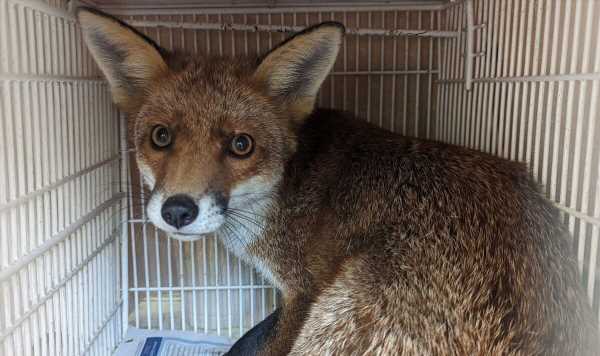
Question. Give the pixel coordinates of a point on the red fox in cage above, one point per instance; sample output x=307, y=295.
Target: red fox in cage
x=380, y=244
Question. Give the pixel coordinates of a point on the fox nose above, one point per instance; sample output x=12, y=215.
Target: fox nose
x=179, y=211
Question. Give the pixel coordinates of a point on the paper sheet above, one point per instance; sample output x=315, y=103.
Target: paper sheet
x=140, y=342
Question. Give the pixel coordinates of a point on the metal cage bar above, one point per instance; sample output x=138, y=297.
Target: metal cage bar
x=60, y=193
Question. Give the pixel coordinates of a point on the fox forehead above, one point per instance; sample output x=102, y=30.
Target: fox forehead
x=208, y=93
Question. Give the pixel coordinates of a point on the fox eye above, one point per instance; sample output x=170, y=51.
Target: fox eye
x=161, y=136
x=241, y=145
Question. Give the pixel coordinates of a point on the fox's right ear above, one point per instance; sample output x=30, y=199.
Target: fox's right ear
x=129, y=60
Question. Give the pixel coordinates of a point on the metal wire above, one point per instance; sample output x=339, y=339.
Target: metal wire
x=59, y=157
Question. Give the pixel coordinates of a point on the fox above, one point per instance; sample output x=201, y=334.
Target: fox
x=380, y=244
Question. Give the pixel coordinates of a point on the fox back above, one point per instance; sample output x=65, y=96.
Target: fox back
x=380, y=244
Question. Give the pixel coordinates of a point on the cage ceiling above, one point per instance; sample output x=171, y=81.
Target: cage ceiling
x=272, y=4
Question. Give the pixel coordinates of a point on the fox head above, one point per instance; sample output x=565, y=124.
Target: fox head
x=212, y=134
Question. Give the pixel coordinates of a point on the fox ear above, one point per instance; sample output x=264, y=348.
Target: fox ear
x=129, y=60
x=296, y=68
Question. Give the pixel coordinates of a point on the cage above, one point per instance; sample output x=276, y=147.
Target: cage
x=80, y=265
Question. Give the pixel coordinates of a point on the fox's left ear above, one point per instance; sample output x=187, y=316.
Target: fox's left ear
x=295, y=70
x=130, y=61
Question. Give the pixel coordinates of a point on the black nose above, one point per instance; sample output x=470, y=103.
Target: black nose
x=179, y=211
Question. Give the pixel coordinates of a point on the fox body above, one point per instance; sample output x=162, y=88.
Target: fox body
x=380, y=244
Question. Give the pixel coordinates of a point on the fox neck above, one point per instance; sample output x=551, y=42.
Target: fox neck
x=247, y=226
x=295, y=240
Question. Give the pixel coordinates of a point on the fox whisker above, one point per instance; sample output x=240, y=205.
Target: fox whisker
x=231, y=231
x=247, y=218
x=256, y=217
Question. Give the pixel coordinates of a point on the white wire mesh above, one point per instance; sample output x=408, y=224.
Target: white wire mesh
x=59, y=191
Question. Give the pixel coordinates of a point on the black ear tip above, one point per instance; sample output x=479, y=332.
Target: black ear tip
x=80, y=10
x=327, y=24
x=83, y=10
x=335, y=24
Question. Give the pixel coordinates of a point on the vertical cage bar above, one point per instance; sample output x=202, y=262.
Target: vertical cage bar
x=393, y=118
x=369, y=65
x=418, y=76
x=567, y=148
x=124, y=224
x=158, y=279
x=382, y=68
